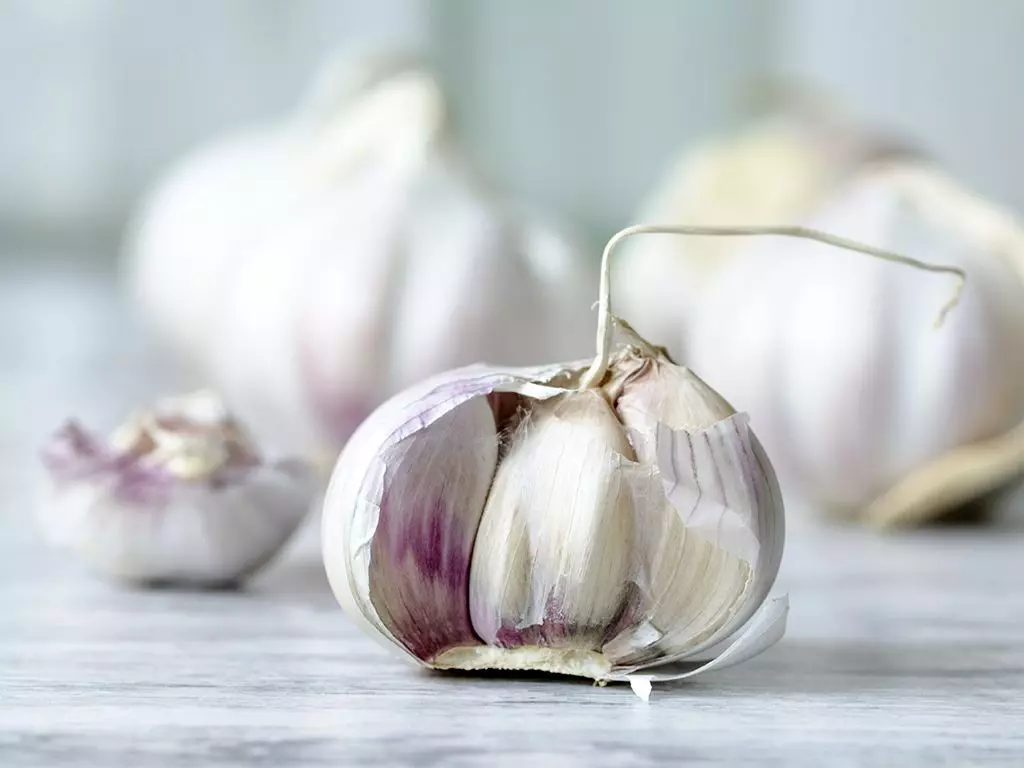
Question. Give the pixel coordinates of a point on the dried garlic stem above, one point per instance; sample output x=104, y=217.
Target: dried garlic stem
x=605, y=326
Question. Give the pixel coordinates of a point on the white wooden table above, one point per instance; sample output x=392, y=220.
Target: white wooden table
x=901, y=651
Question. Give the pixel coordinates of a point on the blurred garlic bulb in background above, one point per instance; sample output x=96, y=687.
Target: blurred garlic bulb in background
x=311, y=268
x=179, y=494
x=771, y=173
x=863, y=404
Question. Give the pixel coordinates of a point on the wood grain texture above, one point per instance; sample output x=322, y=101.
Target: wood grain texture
x=905, y=651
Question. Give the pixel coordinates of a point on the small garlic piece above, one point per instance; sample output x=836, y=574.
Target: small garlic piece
x=177, y=495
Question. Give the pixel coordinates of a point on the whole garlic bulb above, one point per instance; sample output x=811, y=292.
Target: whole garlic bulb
x=863, y=405
x=771, y=173
x=177, y=495
x=316, y=267
x=498, y=518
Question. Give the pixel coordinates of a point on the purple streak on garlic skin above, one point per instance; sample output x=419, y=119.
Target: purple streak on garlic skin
x=434, y=491
x=442, y=561
x=355, y=495
x=74, y=455
x=73, y=452
x=558, y=630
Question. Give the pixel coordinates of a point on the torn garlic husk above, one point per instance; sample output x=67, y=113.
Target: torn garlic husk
x=178, y=494
x=520, y=519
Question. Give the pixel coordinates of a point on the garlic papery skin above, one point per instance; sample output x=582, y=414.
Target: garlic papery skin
x=866, y=408
x=774, y=171
x=178, y=495
x=342, y=255
x=708, y=532
x=558, y=571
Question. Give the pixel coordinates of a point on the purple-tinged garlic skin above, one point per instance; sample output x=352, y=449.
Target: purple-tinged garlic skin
x=420, y=561
x=501, y=519
x=177, y=496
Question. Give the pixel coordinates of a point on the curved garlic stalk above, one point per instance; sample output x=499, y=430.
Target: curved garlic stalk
x=616, y=520
x=177, y=495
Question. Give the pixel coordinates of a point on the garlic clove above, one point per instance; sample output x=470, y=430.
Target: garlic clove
x=661, y=392
x=719, y=505
x=435, y=486
x=361, y=477
x=178, y=495
x=722, y=486
x=552, y=559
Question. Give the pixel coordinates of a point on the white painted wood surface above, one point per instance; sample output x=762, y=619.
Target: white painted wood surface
x=901, y=651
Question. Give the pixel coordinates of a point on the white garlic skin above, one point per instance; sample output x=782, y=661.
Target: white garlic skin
x=837, y=356
x=313, y=270
x=194, y=508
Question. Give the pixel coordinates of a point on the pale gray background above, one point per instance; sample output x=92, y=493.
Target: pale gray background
x=904, y=650
x=574, y=105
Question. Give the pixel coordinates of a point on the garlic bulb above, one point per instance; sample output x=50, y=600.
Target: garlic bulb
x=313, y=268
x=514, y=519
x=771, y=173
x=177, y=495
x=617, y=521
x=864, y=406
